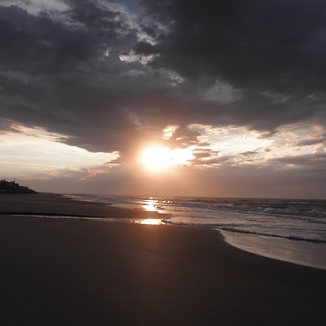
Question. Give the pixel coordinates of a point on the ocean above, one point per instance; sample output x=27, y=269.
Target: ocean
x=290, y=230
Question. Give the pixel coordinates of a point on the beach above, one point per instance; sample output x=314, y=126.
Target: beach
x=61, y=270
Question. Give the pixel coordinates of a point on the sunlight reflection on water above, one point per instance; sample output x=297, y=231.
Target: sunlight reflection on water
x=151, y=221
x=150, y=205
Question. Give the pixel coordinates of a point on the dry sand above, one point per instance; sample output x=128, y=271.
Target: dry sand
x=84, y=272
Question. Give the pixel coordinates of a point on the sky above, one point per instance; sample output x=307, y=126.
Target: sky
x=165, y=97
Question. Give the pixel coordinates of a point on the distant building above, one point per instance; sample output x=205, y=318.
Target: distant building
x=12, y=187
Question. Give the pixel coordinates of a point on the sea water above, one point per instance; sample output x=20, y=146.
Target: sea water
x=290, y=230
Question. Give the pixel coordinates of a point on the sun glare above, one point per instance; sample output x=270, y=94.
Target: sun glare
x=151, y=221
x=158, y=158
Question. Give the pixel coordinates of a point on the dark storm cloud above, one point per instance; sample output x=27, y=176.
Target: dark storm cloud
x=36, y=44
x=56, y=75
x=109, y=25
x=145, y=48
x=67, y=75
x=245, y=42
x=268, y=49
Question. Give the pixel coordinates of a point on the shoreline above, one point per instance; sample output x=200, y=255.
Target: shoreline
x=65, y=272
x=57, y=204
x=292, y=251
x=306, y=253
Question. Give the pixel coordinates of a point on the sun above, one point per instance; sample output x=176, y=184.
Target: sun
x=159, y=158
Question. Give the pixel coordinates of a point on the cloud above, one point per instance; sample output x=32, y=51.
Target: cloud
x=222, y=93
x=38, y=45
x=312, y=141
x=256, y=47
x=245, y=41
x=310, y=160
x=7, y=126
x=110, y=79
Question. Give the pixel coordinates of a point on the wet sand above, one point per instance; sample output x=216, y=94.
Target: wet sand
x=84, y=272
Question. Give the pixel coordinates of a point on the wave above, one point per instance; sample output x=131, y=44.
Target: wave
x=235, y=229
x=310, y=209
x=301, y=220
x=289, y=237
